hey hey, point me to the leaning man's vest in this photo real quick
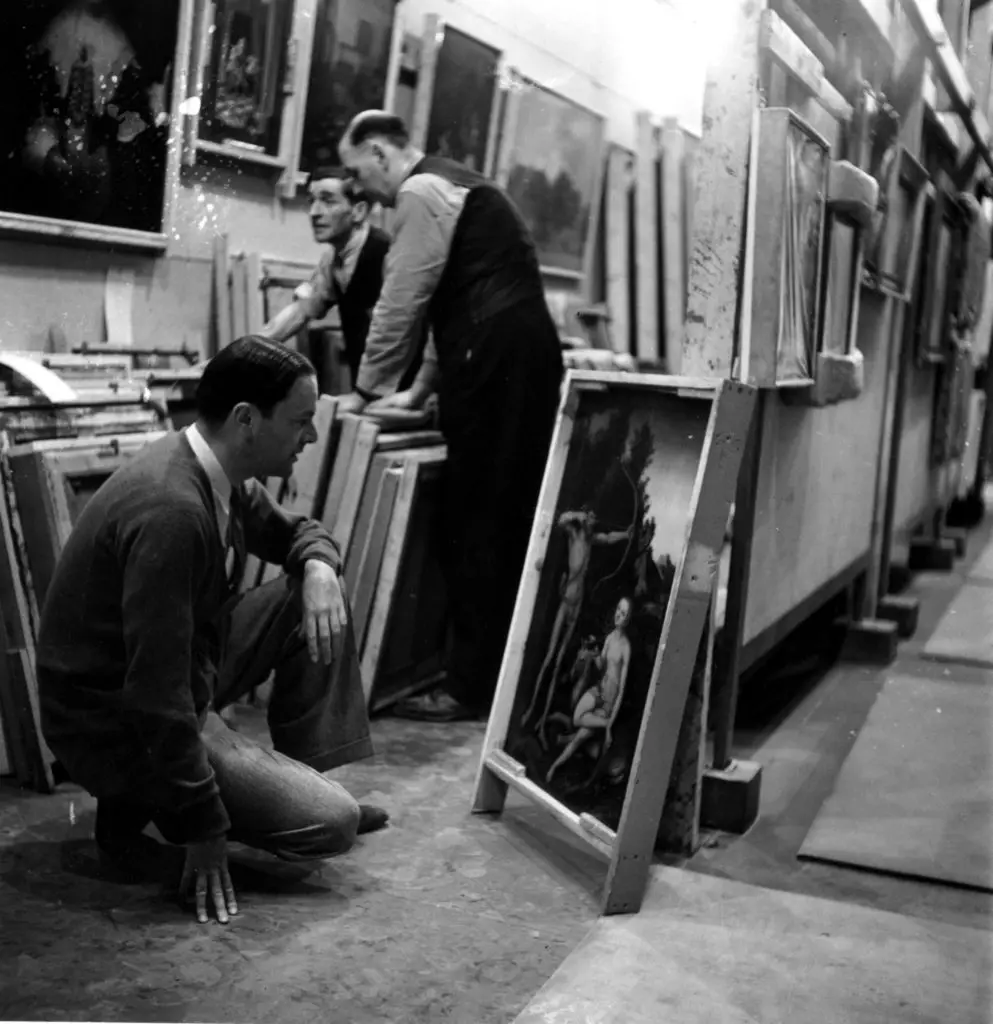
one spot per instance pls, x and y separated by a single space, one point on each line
492 265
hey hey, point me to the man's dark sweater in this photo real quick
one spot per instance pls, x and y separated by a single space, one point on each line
130 630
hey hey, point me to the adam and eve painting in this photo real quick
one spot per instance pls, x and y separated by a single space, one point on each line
618 530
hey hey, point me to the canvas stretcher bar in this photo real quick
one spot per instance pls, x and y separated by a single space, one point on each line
618 239
710 420
434 31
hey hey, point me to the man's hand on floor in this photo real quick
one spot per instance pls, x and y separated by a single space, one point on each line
206 872
324 611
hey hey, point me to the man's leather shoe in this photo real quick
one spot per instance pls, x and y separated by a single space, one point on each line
371 818
434 706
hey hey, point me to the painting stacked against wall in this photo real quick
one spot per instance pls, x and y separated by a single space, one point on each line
244 75
619 528
465 90
348 73
84 109
553 170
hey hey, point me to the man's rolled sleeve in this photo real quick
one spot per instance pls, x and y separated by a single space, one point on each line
422 238
319 294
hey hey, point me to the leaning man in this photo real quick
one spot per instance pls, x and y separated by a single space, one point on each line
144 637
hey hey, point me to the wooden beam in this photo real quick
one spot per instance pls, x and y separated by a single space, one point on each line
673 257
618 242
788 50
645 233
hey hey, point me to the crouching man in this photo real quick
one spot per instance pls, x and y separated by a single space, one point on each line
144 637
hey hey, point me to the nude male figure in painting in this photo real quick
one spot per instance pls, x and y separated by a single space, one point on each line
581 536
597 708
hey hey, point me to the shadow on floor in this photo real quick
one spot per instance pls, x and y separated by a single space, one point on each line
444 916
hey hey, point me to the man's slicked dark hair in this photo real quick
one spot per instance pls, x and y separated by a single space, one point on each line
377 124
252 369
349 189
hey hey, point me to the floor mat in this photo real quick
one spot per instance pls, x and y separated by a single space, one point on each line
965 632
706 950
914 795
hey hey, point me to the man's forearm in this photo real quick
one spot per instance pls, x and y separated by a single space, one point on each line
286 323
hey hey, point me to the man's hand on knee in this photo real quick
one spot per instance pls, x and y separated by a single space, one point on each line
325 613
206 872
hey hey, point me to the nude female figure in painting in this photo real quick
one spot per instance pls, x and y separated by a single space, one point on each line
581 535
597 708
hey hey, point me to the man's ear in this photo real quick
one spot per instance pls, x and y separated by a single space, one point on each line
244 414
360 211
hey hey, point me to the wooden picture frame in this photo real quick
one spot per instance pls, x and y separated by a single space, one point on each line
51 480
465 90
618 232
393 576
540 126
104 173
942 245
693 433
784 249
914 188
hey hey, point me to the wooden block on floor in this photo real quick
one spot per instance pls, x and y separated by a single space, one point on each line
729 799
902 609
959 537
932 555
869 641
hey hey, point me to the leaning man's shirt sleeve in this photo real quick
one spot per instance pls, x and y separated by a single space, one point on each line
427 211
319 294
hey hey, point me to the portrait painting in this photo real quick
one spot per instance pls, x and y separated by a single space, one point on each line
348 72
556 150
85 89
618 530
465 89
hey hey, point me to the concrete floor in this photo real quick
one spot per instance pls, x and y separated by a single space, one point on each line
442 917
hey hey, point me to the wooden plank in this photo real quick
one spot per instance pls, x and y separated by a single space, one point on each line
363 520
340 470
254 295
414 439
372 556
718 195
431 43
686 615
645 234
239 298
390 570
620 169
19 706
789 51
348 510
673 258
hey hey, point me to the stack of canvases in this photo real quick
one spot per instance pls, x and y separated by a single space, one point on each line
46 481
374 485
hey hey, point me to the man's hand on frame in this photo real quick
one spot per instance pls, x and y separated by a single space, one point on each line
324 611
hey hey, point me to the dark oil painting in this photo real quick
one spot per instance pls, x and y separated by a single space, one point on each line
465 88
348 73
619 528
85 89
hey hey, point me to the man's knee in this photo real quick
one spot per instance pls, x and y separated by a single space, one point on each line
331 828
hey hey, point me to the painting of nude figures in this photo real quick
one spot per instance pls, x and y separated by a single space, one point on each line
618 529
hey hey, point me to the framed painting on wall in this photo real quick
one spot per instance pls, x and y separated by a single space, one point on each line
85 116
463 100
551 163
944 225
612 606
243 74
348 73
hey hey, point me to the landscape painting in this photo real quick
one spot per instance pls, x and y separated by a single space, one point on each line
556 151
619 526
465 89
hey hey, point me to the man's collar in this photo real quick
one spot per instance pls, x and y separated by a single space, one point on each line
355 242
214 470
